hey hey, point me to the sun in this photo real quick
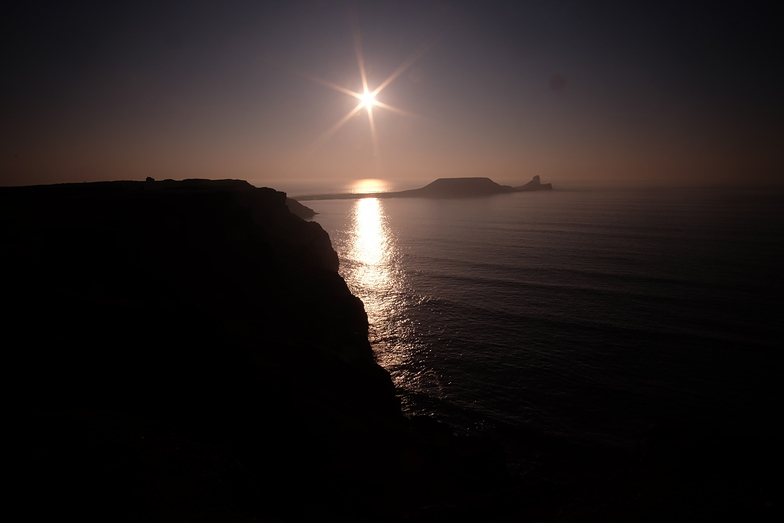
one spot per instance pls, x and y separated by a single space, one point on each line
367 99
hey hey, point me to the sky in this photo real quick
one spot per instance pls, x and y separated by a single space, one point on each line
680 93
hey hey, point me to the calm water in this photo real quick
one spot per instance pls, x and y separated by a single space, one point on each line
586 316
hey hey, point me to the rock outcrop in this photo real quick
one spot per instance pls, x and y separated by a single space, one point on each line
535 185
187 350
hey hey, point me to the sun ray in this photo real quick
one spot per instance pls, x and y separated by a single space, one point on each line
327 83
373 134
396 109
358 52
367 97
332 130
405 65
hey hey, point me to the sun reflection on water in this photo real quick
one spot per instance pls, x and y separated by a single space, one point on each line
373 275
371 242
371 265
373 254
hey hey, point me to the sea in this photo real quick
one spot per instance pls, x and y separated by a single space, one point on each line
588 316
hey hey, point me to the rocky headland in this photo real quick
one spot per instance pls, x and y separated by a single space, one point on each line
184 351
444 188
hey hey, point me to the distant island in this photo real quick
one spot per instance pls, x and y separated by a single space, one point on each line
445 188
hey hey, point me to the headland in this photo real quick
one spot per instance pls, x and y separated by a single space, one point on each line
188 351
444 188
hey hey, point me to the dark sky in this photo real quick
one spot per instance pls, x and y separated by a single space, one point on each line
578 92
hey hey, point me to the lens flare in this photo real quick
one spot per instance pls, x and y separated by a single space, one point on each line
367 97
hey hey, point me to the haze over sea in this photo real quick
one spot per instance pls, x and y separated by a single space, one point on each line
582 316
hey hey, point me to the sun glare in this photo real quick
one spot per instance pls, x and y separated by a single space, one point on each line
367 99
369 186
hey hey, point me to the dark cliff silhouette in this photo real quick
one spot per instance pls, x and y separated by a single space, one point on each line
445 188
297 209
187 350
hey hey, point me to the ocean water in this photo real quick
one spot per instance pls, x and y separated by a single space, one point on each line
584 316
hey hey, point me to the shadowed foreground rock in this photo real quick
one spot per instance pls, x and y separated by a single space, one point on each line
187 350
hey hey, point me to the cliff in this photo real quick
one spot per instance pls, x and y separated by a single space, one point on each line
187 350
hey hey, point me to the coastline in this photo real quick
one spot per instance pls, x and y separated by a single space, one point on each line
189 350
471 187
